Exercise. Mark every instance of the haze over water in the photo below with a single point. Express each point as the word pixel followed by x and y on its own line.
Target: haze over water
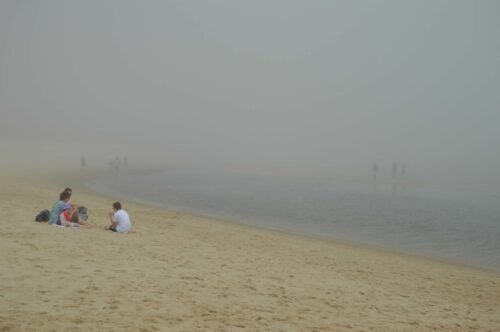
pixel 427 220
pixel 330 85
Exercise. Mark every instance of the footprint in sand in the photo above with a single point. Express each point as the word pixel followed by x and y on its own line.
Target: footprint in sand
pixel 78 321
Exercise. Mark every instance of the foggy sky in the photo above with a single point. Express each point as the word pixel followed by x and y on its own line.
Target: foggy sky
pixel 338 83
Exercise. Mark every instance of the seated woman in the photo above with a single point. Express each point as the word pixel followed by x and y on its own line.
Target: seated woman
pixel 64 198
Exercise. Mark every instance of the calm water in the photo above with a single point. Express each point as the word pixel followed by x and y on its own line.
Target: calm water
pixel 461 226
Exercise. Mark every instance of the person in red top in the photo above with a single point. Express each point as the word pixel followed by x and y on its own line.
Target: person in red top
pixel 65 215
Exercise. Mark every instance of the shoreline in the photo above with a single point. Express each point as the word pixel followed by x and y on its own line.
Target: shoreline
pixel 179 272
pixel 328 238
pixel 313 237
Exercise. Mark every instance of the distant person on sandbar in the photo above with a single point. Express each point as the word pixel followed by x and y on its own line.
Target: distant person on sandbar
pixel 375 169
pixel 119 218
pixel 394 170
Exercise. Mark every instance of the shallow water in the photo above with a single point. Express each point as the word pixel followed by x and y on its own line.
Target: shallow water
pixel 460 226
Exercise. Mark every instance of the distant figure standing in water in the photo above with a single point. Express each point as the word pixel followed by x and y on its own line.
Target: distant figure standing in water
pixel 375 169
pixel 119 218
pixel 84 162
pixel 394 169
pixel 116 163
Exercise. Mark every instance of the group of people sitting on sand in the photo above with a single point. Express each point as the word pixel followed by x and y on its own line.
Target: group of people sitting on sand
pixel 64 213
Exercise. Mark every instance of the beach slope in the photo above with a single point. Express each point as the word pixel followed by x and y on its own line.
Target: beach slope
pixel 178 272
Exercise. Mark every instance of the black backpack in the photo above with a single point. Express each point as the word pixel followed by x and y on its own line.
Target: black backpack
pixel 43 216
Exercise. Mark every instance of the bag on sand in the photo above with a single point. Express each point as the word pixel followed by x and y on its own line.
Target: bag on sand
pixel 43 216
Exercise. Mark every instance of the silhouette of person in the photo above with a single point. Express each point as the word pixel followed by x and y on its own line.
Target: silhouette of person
pixel 394 169
pixel 117 163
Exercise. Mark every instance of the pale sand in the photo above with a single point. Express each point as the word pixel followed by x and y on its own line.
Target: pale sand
pixel 183 273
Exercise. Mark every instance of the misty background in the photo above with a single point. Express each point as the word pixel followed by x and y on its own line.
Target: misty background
pixel 332 85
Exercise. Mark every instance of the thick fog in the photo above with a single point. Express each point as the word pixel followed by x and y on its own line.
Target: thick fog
pixel 328 84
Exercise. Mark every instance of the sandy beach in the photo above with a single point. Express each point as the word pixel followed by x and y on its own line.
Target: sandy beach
pixel 178 272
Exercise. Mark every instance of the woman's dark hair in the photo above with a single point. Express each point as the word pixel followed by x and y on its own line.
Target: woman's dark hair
pixel 68 190
pixel 64 195
pixel 117 206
